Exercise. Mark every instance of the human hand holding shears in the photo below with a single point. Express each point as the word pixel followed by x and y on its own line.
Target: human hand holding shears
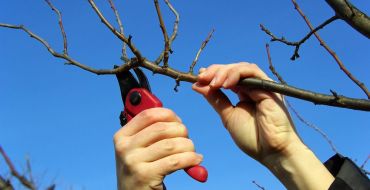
pixel 153 142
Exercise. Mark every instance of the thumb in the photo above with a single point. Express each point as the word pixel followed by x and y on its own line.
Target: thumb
pixel 218 100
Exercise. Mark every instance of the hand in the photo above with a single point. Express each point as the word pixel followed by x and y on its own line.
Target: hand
pixel 259 123
pixel 152 145
pixel 261 126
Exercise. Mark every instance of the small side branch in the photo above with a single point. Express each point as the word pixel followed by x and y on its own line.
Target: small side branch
pixel 54 53
pixel 165 35
pixel 174 32
pixel 271 66
pixel 115 32
pixel 121 30
pixel 314 127
pixel 60 21
pixel 331 52
pixel 352 15
pixel 23 180
pixel 258 185
pixel 298 44
pixel 365 162
pixel 204 44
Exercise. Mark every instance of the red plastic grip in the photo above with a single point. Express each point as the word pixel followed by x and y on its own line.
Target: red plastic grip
pixel 149 100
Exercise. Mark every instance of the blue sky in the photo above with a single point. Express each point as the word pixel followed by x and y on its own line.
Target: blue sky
pixel 64 118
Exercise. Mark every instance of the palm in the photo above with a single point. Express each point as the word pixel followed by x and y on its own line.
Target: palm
pixel 259 129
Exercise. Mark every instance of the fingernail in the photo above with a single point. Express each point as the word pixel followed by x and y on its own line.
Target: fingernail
pixel 201 70
pixel 200 156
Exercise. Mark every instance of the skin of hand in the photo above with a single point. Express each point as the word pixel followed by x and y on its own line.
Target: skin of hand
pixel 261 126
pixel 152 145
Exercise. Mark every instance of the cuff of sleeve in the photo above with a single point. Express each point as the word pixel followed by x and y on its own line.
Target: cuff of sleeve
pixel 348 176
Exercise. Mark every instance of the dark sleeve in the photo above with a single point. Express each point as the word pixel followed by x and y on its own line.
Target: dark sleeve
pixel 347 175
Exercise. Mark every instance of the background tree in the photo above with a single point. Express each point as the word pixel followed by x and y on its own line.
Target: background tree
pixel 232 47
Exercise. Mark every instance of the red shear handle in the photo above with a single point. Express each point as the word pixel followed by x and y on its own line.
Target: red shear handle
pixel 139 99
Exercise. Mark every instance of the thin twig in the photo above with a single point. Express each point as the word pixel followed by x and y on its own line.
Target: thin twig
pixel 271 66
pixel 165 35
pixel 174 32
pixel 115 32
pixel 121 30
pixel 299 116
pixel 24 181
pixel 314 127
pixel 331 52
pixel 56 54
pixel 204 44
pixel 297 44
pixel 29 170
pixel 365 162
pixel 60 21
pixel 258 185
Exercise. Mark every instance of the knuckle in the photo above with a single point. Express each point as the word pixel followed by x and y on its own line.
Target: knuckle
pixel 130 162
pixel 173 162
pixel 122 147
pixel 157 114
pixel 168 145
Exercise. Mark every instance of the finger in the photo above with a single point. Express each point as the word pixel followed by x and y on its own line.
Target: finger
pixel 175 162
pixel 257 95
pixel 219 77
pixel 235 72
pixel 164 148
pixel 146 118
pixel 206 76
pixel 219 101
pixel 157 132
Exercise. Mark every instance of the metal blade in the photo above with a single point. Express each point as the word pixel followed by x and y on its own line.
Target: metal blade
pixel 126 82
pixel 143 81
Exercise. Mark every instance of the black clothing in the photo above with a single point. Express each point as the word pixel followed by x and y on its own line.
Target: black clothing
pixel 348 176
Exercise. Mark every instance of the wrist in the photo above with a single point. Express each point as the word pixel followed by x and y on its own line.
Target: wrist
pixel 297 167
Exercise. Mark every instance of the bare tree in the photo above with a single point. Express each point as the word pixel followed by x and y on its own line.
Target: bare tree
pixel 343 11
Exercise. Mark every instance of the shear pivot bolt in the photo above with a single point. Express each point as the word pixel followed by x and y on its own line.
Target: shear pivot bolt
pixel 135 98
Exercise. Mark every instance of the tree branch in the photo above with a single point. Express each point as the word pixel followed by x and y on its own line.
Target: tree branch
pixel 352 15
pixel 313 126
pixel 297 44
pixel 24 181
pixel 271 66
pixel 258 185
pixel 332 53
pixel 317 98
pixel 5 184
pixel 174 32
pixel 55 54
pixel 165 35
pixel 121 31
pixel 200 51
pixel 115 32
pixel 60 21
pixel 140 61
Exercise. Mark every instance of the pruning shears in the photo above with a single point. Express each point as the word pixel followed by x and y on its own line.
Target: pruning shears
pixel 137 96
